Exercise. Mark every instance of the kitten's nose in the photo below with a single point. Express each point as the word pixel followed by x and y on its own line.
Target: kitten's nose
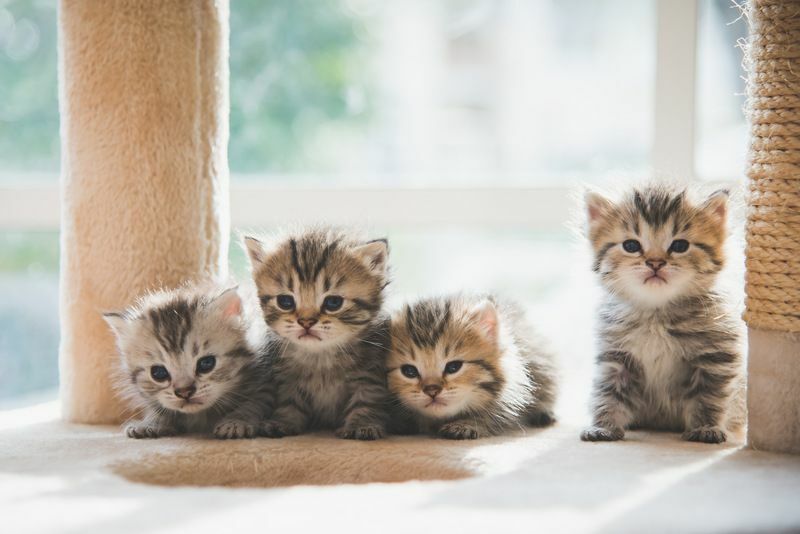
pixel 186 393
pixel 432 390
pixel 655 264
pixel 306 322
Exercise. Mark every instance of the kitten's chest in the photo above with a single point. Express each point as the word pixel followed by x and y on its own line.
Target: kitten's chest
pixel 322 385
pixel 659 354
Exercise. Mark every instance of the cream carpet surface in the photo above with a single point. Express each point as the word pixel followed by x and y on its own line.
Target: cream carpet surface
pixel 57 477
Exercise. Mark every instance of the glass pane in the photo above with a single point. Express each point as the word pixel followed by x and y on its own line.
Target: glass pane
pixel 444 92
pixel 28 317
pixel 28 90
pixel 721 126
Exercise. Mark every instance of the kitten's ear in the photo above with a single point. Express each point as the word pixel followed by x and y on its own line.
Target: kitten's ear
pixel 119 322
pixel 255 250
pixel 228 303
pixel 485 317
pixel 597 207
pixel 375 255
pixel 716 205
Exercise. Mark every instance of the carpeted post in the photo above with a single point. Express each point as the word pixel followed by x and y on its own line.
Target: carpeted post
pixel 773 225
pixel 144 107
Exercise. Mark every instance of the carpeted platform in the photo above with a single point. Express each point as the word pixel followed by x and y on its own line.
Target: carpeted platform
pixel 56 477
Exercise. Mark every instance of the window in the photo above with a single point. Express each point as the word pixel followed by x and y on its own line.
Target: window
pixel 440 93
pixel 456 127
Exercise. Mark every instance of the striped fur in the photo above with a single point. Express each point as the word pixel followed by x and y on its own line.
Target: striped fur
pixel 505 380
pixel 175 329
pixel 669 354
pixel 330 374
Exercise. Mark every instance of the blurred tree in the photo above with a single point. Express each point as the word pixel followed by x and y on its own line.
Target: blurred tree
pixel 297 66
pixel 296 70
pixel 28 86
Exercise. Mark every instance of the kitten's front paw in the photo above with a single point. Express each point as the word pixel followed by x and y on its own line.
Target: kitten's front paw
pixel 599 433
pixel 458 431
pixel 541 419
pixel 142 430
pixel 235 429
pixel 705 434
pixel 276 429
pixel 364 432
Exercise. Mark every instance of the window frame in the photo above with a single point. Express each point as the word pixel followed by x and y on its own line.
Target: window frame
pixel 33 203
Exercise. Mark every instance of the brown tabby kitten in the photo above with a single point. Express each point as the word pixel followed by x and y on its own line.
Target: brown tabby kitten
pixel 321 291
pixel 669 345
pixel 467 366
pixel 193 361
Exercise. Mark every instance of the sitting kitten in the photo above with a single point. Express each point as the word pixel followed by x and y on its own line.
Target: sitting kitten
pixel 321 291
pixel 466 367
pixel 188 362
pixel 669 346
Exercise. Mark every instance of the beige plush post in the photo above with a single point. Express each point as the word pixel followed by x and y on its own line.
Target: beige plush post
pixel 144 107
pixel 773 225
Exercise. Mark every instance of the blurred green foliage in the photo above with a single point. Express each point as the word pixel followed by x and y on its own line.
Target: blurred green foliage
pixel 297 72
pixel 32 252
pixel 28 86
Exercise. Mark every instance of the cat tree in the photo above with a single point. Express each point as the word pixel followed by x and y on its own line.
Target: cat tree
pixel 773 225
pixel 144 118
pixel 144 106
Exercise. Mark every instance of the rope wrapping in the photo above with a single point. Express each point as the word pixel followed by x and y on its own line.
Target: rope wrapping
pixel 772 59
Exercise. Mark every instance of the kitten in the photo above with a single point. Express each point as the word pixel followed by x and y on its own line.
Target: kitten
pixel 192 361
pixel 321 291
pixel 669 346
pixel 466 367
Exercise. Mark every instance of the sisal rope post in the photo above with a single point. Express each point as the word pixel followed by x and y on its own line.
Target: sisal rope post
pixel 772 287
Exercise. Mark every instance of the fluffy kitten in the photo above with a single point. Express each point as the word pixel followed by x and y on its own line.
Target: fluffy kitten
pixel 669 346
pixel 321 291
pixel 190 363
pixel 466 367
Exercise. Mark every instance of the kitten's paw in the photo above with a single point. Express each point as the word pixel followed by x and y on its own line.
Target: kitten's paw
pixel 142 430
pixel 235 429
pixel 705 434
pixel 599 433
pixel 363 432
pixel 457 430
pixel 541 419
pixel 276 429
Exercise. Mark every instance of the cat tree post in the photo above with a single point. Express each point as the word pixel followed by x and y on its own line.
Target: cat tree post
pixel 773 225
pixel 144 185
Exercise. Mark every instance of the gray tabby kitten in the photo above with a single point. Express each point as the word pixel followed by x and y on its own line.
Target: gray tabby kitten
pixel 468 366
pixel 321 291
pixel 669 344
pixel 192 361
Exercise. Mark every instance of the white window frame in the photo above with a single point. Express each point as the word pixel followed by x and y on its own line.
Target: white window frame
pixel 34 204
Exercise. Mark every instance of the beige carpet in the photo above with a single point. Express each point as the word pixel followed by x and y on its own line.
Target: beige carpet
pixel 56 477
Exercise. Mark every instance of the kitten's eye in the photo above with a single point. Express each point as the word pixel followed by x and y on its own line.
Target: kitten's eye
pixel 631 245
pixel 679 245
pixel 285 302
pixel 409 371
pixel 159 373
pixel 206 364
pixel 332 303
pixel 453 367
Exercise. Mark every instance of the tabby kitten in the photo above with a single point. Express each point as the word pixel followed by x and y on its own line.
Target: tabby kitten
pixel 321 291
pixel 467 366
pixel 669 345
pixel 192 361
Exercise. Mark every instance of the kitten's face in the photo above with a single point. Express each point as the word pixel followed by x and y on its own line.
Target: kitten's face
pixel 444 357
pixel 319 290
pixel 183 353
pixel 656 246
